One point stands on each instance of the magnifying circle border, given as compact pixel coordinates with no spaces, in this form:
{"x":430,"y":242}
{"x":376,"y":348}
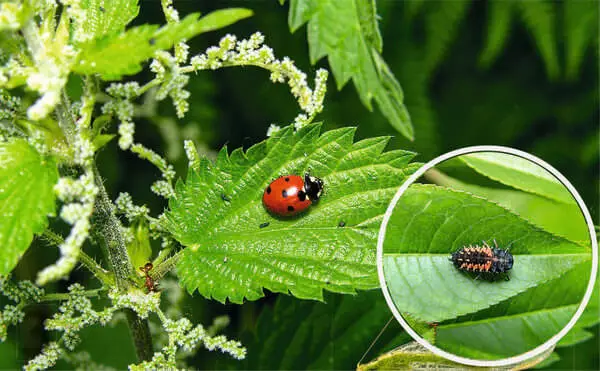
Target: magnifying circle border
{"x":510,"y":360}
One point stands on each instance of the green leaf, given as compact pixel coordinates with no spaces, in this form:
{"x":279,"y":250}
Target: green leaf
{"x":139,"y":250}
{"x":580,"y":26}
{"x":346,"y":32}
{"x":540,"y":19}
{"x":442,"y":24}
{"x":430,"y":222}
{"x":217,"y":212}
{"x":106,"y":17}
{"x":320,"y":336}
{"x":26,"y":198}
{"x":123,"y":53}
{"x":498,"y":29}
{"x":518,"y":173}
{"x":102,"y":140}
{"x":528,"y":319}
{"x":413,"y":356}
{"x":562,"y":219}
{"x":221,"y":19}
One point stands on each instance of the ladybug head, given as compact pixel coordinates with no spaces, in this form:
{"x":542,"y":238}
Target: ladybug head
{"x":313,"y":187}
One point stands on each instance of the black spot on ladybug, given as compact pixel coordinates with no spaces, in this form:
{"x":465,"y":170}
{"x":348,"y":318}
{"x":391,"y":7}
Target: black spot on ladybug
{"x":488,"y":261}
{"x":342,"y":224}
{"x":284,"y":193}
{"x":301,"y":195}
{"x":290,"y":208}
{"x":269,"y":190}
{"x":264,"y":225}
{"x":287,"y":179}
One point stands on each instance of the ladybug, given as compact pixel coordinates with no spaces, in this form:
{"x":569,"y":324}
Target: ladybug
{"x":486,"y":260}
{"x":289,"y":195}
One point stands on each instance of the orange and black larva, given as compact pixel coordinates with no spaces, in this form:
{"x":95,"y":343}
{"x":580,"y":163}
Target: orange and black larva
{"x":489,"y":261}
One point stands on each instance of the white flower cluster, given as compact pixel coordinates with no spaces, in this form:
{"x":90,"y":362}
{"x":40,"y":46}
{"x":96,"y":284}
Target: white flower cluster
{"x":164,"y":187}
{"x":53,"y":57}
{"x":21,"y":293}
{"x":137,"y":300}
{"x":121,"y":107}
{"x":9,"y":16}
{"x":125,"y":206}
{"x":191,"y":154}
{"x":231,"y":52}
{"x":182,"y":334}
{"x":72,"y":316}
{"x":167,"y":70}
{"x":43,"y":361}
{"x":79,"y":196}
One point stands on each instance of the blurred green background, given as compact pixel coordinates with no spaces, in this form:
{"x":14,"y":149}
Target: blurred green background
{"x":460,"y":90}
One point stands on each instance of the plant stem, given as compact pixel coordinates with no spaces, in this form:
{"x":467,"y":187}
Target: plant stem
{"x":87,"y":261}
{"x":107,"y":230}
{"x":66,"y":296}
{"x":165,"y":266}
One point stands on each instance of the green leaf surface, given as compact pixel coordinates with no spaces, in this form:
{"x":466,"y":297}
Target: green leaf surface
{"x":430,"y":222}
{"x":498,"y":333}
{"x":523,"y":318}
{"x":139,"y":250}
{"x":499,"y":22}
{"x":580,"y":30}
{"x":26,"y":198}
{"x":121,"y":54}
{"x":518,"y":173}
{"x":221,"y":18}
{"x":539,"y":17}
{"x":306,"y":335}
{"x":218,"y":211}
{"x":346,"y":32}
{"x":442,"y":23}
{"x":559,"y":218}
{"x":105,"y":17}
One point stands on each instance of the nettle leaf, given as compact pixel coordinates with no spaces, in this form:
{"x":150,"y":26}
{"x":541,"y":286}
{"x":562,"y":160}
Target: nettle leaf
{"x":430,"y":222}
{"x":346,"y":32}
{"x":320,"y":336}
{"x":528,"y":320}
{"x":580,"y":26}
{"x":563,"y":219}
{"x":123,"y":53}
{"x":26,"y":198}
{"x":104,"y":17}
{"x":499,"y":21}
{"x":217,"y":212}
{"x":540,"y":18}
{"x":518,"y":173}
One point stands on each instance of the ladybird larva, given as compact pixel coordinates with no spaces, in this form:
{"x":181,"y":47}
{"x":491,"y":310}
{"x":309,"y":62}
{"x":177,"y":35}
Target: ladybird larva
{"x":483,"y":259}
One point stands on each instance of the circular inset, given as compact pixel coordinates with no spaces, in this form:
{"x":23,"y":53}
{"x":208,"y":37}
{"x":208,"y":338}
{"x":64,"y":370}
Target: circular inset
{"x":477,"y":261}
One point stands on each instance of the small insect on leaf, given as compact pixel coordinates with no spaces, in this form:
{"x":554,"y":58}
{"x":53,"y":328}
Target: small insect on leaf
{"x":489,"y":262}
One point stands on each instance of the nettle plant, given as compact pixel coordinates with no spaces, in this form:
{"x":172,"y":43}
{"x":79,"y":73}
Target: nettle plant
{"x":210,"y":232}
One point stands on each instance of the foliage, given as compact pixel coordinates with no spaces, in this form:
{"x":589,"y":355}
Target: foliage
{"x":490,"y":319}
{"x":217,"y":214}
{"x":26,"y":198}
{"x":76,"y":75}
{"x":353,"y":25}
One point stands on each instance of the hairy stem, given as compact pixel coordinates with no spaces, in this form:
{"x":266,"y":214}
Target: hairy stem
{"x":87,"y":261}
{"x":107,"y":230}
{"x":164,"y":266}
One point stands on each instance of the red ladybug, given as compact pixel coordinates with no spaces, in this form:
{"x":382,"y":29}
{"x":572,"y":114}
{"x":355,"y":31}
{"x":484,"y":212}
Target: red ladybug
{"x":291,"y":194}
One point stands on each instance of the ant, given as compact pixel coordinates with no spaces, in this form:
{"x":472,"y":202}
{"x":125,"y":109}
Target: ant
{"x":150,"y":284}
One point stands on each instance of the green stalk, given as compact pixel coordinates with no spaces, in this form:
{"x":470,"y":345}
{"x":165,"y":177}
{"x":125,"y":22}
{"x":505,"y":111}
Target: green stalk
{"x":106,"y":229}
